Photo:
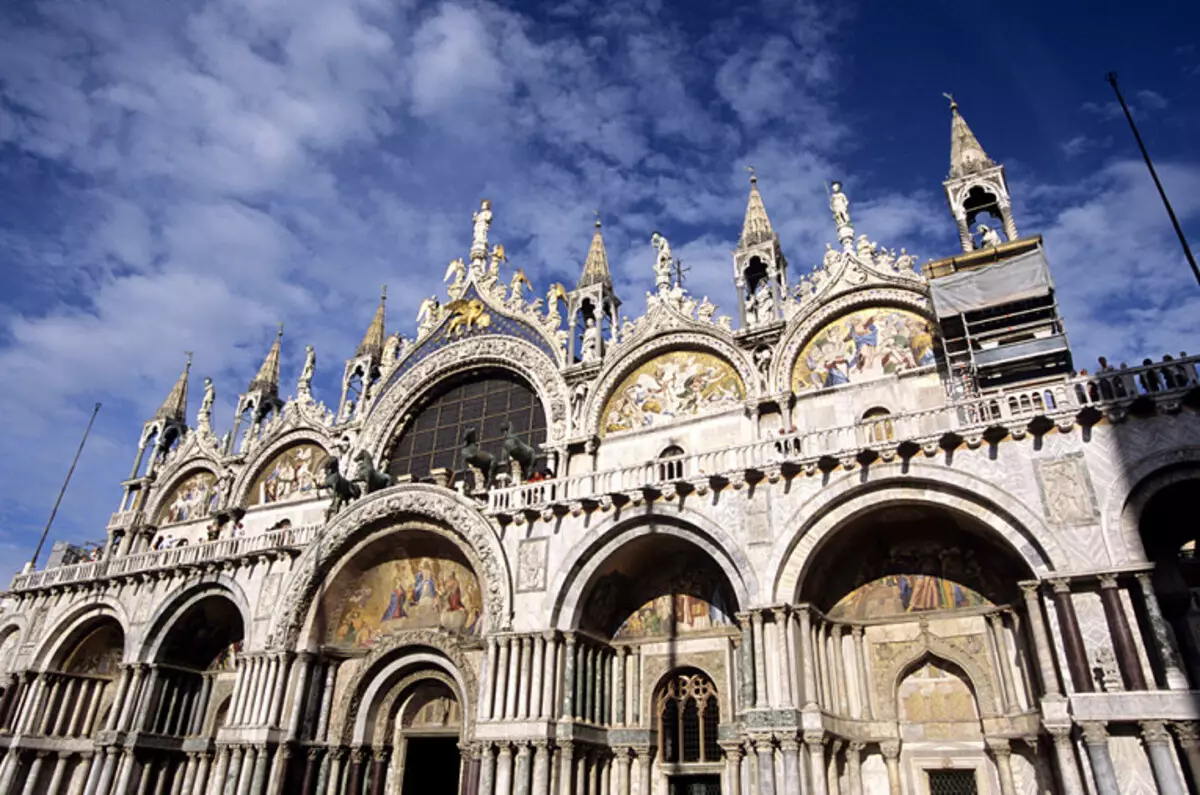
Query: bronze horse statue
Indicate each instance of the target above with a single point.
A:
(475, 456)
(344, 490)
(517, 449)
(368, 474)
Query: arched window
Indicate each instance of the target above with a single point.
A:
(879, 427)
(670, 465)
(688, 715)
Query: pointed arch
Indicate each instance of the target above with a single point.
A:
(931, 647)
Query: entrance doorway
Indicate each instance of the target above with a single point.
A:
(431, 766)
(695, 785)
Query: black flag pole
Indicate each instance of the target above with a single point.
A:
(1111, 77)
(63, 490)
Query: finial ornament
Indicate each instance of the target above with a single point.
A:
(753, 175)
(949, 96)
(597, 212)
(279, 333)
(189, 359)
(382, 292)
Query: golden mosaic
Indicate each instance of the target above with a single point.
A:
(865, 344)
(669, 388)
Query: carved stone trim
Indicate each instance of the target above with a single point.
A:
(890, 672)
(384, 714)
(431, 505)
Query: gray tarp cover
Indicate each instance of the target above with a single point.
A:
(1025, 276)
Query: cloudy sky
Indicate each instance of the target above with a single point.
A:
(183, 176)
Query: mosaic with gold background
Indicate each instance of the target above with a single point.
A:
(865, 344)
(195, 497)
(293, 474)
(669, 388)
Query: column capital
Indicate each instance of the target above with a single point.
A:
(1188, 733)
(1094, 732)
(999, 746)
(890, 749)
(541, 746)
(1061, 585)
(857, 630)
(381, 754)
(1154, 732)
(814, 737)
(314, 752)
(1107, 581)
(789, 744)
(996, 618)
(1030, 588)
(732, 750)
(1144, 578)
(523, 749)
(570, 640)
(855, 747)
(337, 753)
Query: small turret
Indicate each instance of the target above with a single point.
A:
(592, 305)
(975, 185)
(261, 398)
(759, 267)
(362, 370)
(167, 426)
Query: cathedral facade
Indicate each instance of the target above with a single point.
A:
(868, 532)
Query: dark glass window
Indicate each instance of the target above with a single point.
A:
(952, 782)
(483, 400)
(688, 719)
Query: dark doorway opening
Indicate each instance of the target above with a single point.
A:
(431, 766)
(695, 785)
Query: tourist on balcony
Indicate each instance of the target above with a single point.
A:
(1149, 378)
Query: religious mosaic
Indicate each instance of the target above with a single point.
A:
(194, 498)
(293, 474)
(417, 585)
(687, 596)
(672, 387)
(98, 654)
(865, 344)
(937, 704)
(914, 579)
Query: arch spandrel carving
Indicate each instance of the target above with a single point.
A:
(893, 661)
(709, 342)
(430, 505)
(807, 324)
(521, 357)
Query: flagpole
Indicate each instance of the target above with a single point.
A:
(1111, 77)
(63, 490)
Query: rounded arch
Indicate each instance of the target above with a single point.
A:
(382, 513)
(1143, 480)
(807, 325)
(698, 340)
(585, 559)
(171, 612)
(61, 639)
(388, 665)
(386, 418)
(848, 497)
(171, 484)
(262, 457)
(12, 633)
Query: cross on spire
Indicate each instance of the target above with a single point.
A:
(680, 271)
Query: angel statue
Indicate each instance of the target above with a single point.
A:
(905, 262)
(519, 279)
(555, 294)
(204, 417)
(706, 311)
(839, 204)
(427, 314)
(988, 237)
(831, 258)
(456, 270)
(497, 257)
(304, 386)
(662, 265)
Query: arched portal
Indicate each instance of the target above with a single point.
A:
(1169, 540)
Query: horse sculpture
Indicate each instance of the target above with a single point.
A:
(517, 449)
(479, 459)
(344, 491)
(366, 473)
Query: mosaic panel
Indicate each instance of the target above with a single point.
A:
(98, 654)
(865, 344)
(895, 594)
(195, 497)
(420, 584)
(669, 388)
(293, 474)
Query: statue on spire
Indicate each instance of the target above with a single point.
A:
(304, 386)
(662, 265)
(839, 205)
(483, 221)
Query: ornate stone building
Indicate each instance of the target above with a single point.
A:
(875, 536)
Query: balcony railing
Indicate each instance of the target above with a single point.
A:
(1011, 409)
(181, 556)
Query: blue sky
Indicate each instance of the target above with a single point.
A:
(183, 176)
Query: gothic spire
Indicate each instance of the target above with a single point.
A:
(757, 226)
(966, 155)
(174, 408)
(595, 267)
(372, 341)
(267, 379)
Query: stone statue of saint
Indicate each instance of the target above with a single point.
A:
(306, 375)
(765, 302)
(483, 220)
(427, 313)
(988, 237)
(905, 262)
(578, 398)
(706, 310)
(210, 394)
(662, 264)
(390, 349)
(831, 258)
(591, 341)
(839, 204)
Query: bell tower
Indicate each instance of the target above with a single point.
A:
(591, 304)
(976, 185)
(759, 267)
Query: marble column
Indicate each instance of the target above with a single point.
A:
(746, 662)
(760, 666)
(1165, 641)
(814, 742)
(784, 656)
(807, 659)
(789, 749)
(521, 773)
(379, 766)
(1008, 691)
(526, 675)
(202, 775)
(569, 687)
(303, 668)
(60, 770)
(644, 759)
(488, 696)
(333, 784)
(35, 770)
(258, 777)
(766, 766)
(541, 768)
(502, 678)
(1189, 740)
(566, 764)
(504, 770)
(1047, 672)
(839, 669)
(1065, 760)
(860, 668)
(326, 701)
(733, 770)
(622, 678)
(550, 676)
(487, 769)
(189, 773)
(1122, 637)
(1002, 753)
(1162, 758)
(216, 783)
(107, 771)
(535, 685)
(1072, 637)
(1095, 740)
(854, 751)
(512, 684)
(246, 772)
(891, 757)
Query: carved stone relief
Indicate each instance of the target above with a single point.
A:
(1067, 493)
(531, 564)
